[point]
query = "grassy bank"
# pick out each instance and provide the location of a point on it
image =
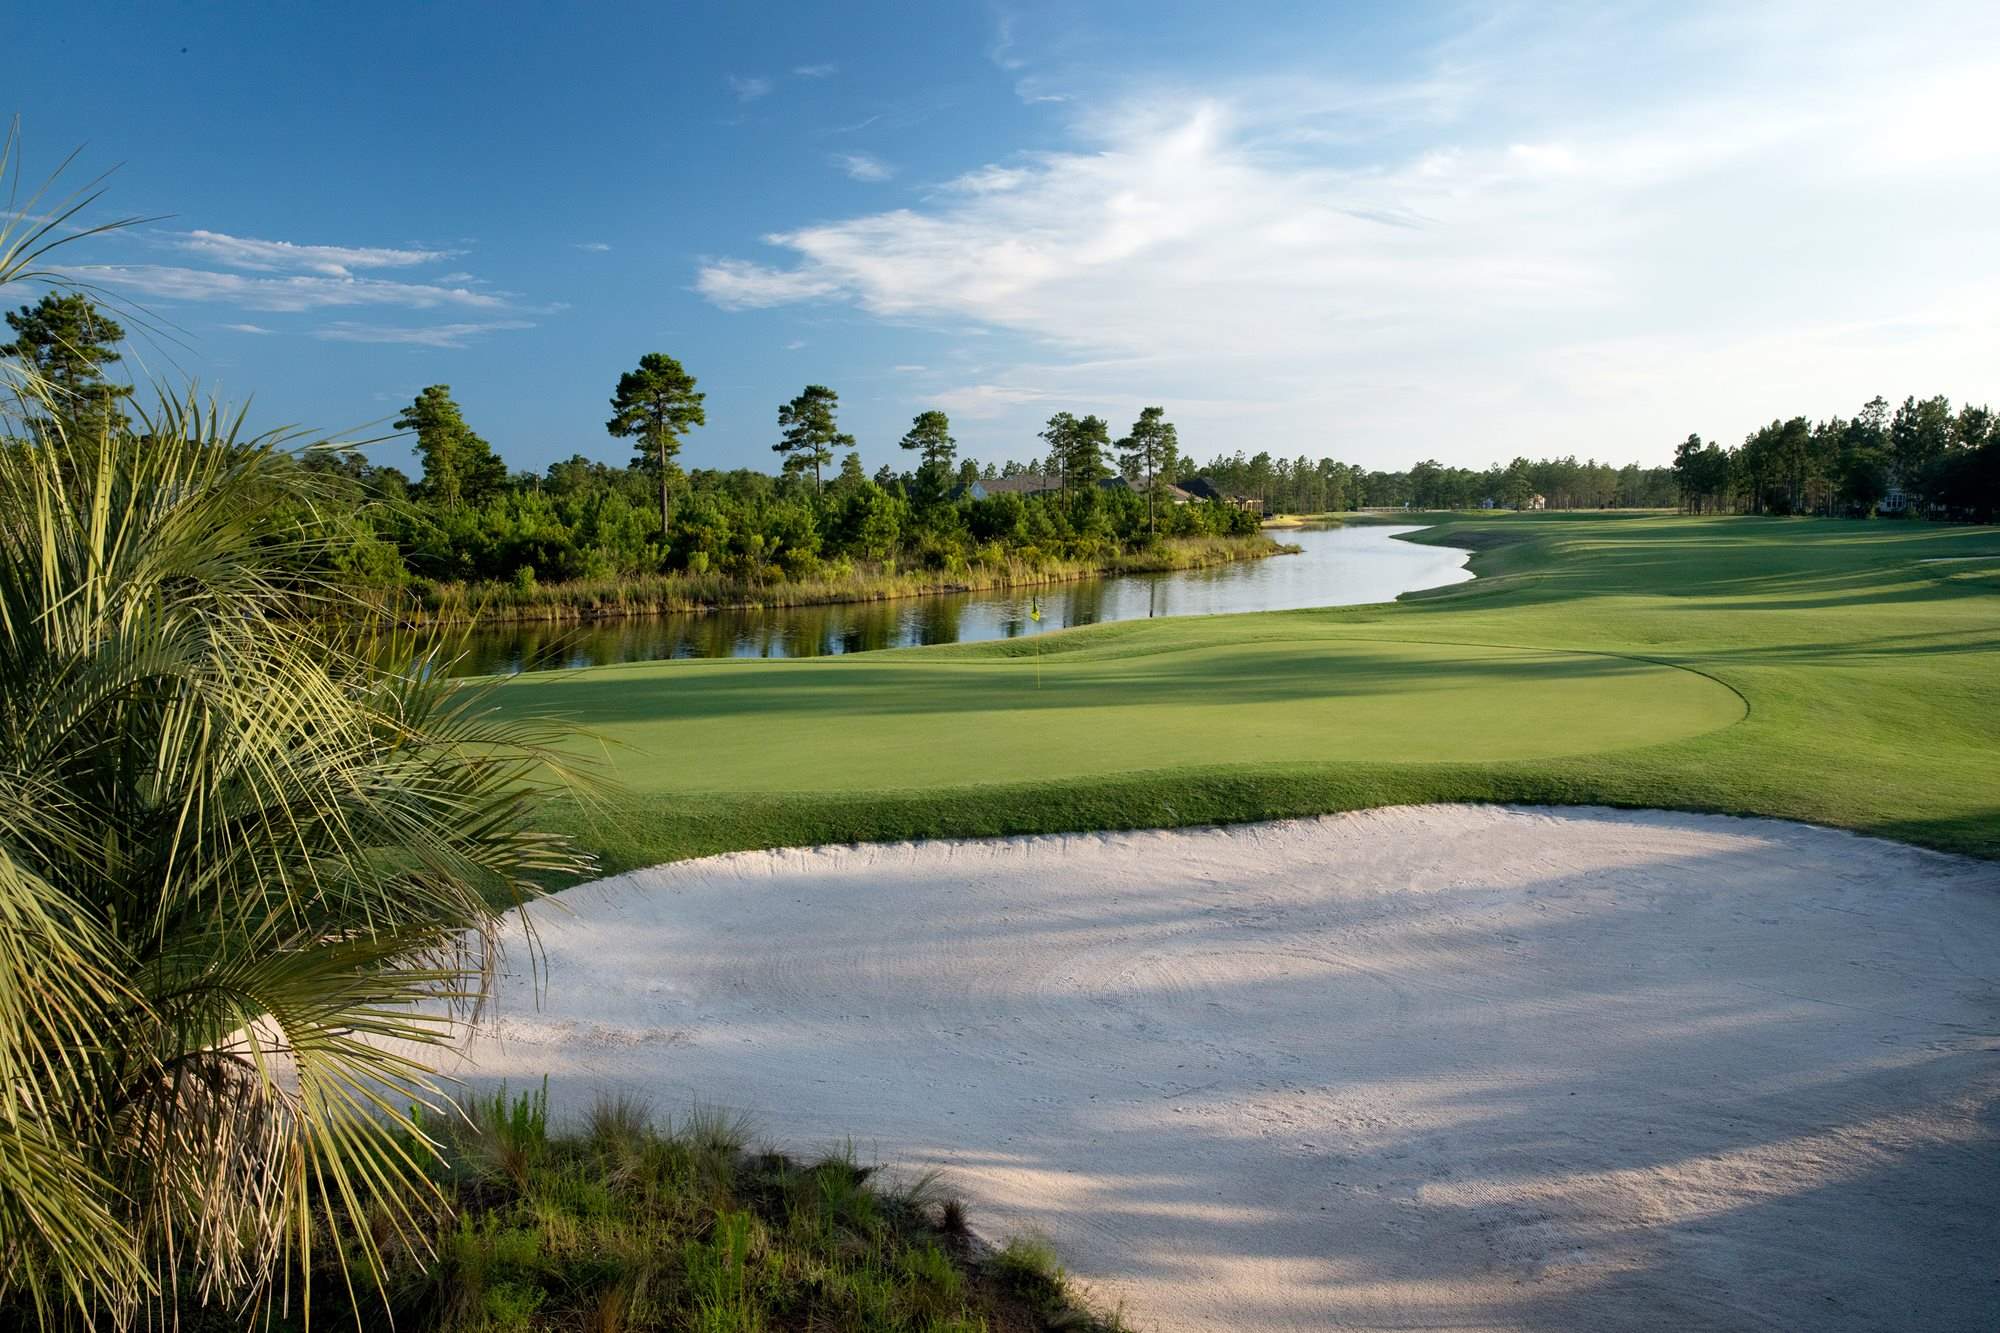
(1842, 673)
(624, 1223)
(454, 603)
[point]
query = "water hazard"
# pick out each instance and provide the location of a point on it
(1338, 566)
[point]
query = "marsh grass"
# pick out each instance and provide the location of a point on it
(626, 1221)
(659, 594)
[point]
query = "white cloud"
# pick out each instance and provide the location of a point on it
(863, 166)
(337, 261)
(909, 369)
(751, 88)
(1001, 49)
(255, 274)
(982, 402)
(825, 71)
(736, 285)
(287, 293)
(594, 247)
(434, 335)
(1455, 264)
(1034, 91)
(1547, 158)
(795, 344)
(991, 180)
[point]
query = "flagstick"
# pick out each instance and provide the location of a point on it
(1035, 614)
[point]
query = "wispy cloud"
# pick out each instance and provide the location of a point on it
(1402, 258)
(594, 247)
(825, 71)
(338, 261)
(749, 88)
(983, 402)
(286, 277)
(795, 344)
(1001, 49)
(735, 284)
(432, 335)
(1033, 91)
(285, 293)
(863, 166)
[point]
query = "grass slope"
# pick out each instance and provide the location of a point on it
(1837, 672)
(624, 1225)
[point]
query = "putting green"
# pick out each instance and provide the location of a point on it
(896, 721)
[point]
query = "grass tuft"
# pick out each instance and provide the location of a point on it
(632, 1223)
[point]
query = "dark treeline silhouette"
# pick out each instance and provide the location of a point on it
(1919, 460)
(1326, 485)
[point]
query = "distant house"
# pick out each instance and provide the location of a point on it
(1201, 488)
(1021, 483)
(1029, 483)
(1487, 503)
(1537, 502)
(1169, 492)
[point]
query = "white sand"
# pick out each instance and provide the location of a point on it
(1440, 1067)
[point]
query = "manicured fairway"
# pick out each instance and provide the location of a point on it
(1838, 672)
(885, 721)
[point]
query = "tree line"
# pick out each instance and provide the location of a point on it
(1920, 459)
(468, 517)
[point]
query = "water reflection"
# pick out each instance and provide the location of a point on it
(1337, 567)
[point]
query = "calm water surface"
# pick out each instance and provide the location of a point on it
(1339, 566)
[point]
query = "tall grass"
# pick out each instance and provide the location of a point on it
(593, 599)
(630, 1222)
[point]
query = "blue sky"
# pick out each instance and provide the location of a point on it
(1381, 232)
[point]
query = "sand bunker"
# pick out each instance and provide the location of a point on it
(1433, 1067)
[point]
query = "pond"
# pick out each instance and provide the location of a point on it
(1338, 566)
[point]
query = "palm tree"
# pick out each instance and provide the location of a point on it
(248, 876)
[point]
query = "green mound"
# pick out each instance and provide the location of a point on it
(1859, 664)
(884, 721)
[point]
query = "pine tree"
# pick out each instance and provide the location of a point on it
(459, 467)
(656, 405)
(810, 434)
(65, 341)
(1145, 452)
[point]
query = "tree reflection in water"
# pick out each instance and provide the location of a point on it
(1338, 566)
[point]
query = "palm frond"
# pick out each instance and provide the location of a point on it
(248, 876)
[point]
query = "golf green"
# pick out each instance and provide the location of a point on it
(887, 721)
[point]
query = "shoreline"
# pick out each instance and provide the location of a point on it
(698, 594)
